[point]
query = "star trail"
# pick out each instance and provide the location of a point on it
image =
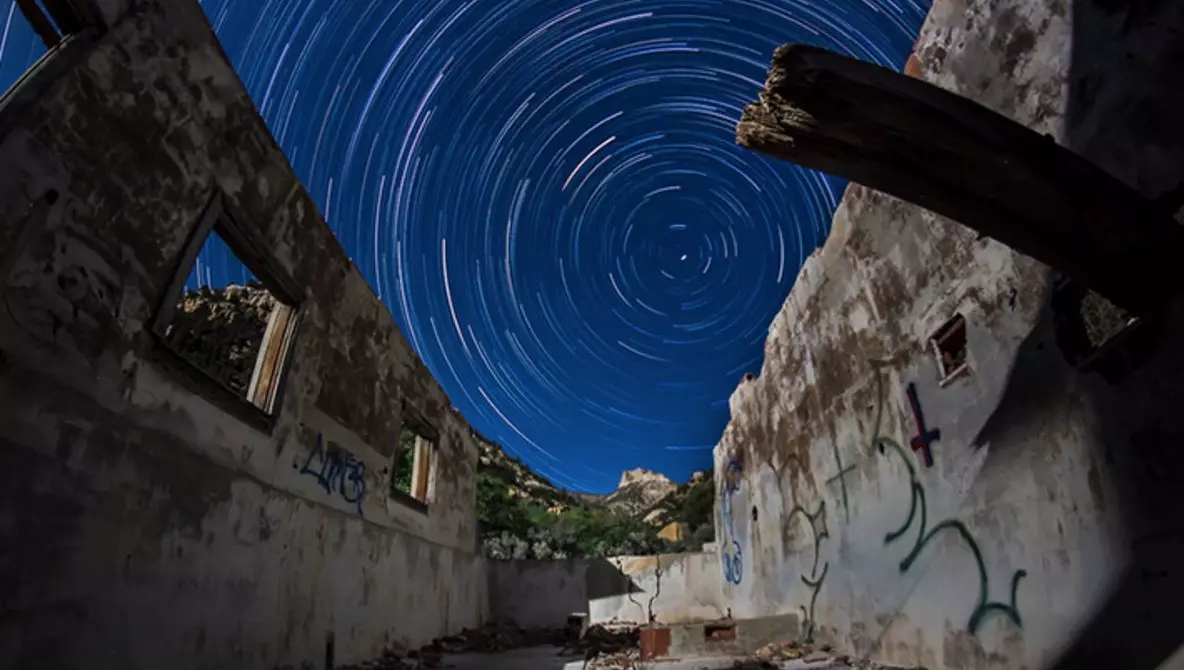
(547, 195)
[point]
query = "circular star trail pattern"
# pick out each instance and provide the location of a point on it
(548, 196)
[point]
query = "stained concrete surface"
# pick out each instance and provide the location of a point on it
(1049, 502)
(673, 588)
(165, 521)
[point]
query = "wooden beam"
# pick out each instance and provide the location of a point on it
(946, 153)
(39, 22)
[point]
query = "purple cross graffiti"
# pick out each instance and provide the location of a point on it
(924, 437)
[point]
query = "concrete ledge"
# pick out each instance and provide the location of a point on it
(706, 639)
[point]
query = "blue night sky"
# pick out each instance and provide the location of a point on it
(548, 196)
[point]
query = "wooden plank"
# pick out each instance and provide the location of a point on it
(946, 153)
(421, 468)
(39, 22)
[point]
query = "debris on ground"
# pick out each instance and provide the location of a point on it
(782, 651)
(599, 641)
(489, 638)
(603, 646)
(498, 637)
(778, 655)
(607, 647)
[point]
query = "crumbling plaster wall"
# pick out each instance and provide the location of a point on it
(674, 588)
(1003, 551)
(152, 528)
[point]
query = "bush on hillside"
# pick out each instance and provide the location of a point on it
(521, 528)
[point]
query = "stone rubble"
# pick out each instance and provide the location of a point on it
(774, 656)
(604, 647)
(600, 641)
(597, 641)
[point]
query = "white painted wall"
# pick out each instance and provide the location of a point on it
(1041, 475)
(675, 588)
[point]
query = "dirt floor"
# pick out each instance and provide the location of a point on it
(609, 647)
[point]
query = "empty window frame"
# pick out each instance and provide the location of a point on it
(414, 460)
(949, 349)
(237, 336)
(1095, 335)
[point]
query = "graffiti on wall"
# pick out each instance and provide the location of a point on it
(918, 512)
(733, 556)
(817, 524)
(337, 471)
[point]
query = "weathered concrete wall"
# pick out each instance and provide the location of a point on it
(538, 594)
(157, 529)
(1039, 514)
(675, 588)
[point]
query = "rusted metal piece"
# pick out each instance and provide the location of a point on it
(920, 143)
(655, 642)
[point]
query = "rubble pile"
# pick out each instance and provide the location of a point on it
(603, 647)
(498, 637)
(494, 637)
(626, 659)
(792, 651)
(396, 658)
(779, 654)
(606, 646)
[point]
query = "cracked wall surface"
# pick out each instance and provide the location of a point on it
(670, 588)
(155, 528)
(1046, 510)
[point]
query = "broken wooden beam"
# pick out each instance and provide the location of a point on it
(39, 22)
(948, 154)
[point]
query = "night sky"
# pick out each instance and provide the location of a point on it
(548, 196)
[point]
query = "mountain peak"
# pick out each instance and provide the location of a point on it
(642, 476)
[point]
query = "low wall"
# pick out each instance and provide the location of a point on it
(675, 588)
(538, 594)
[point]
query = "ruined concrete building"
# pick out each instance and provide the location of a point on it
(931, 467)
(155, 514)
(939, 464)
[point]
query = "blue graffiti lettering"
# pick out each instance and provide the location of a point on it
(733, 556)
(337, 470)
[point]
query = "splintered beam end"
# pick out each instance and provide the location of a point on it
(916, 141)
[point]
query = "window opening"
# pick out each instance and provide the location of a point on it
(1095, 335)
(238, 333)
(411, 474)
(949, 348)
(719, 631)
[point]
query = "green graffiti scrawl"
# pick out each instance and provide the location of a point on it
(817, 522)
(918, 507)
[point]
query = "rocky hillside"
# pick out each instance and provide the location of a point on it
(220, 331)
(522, 515)
(522, 483)
(691, 505)
(638, 491)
